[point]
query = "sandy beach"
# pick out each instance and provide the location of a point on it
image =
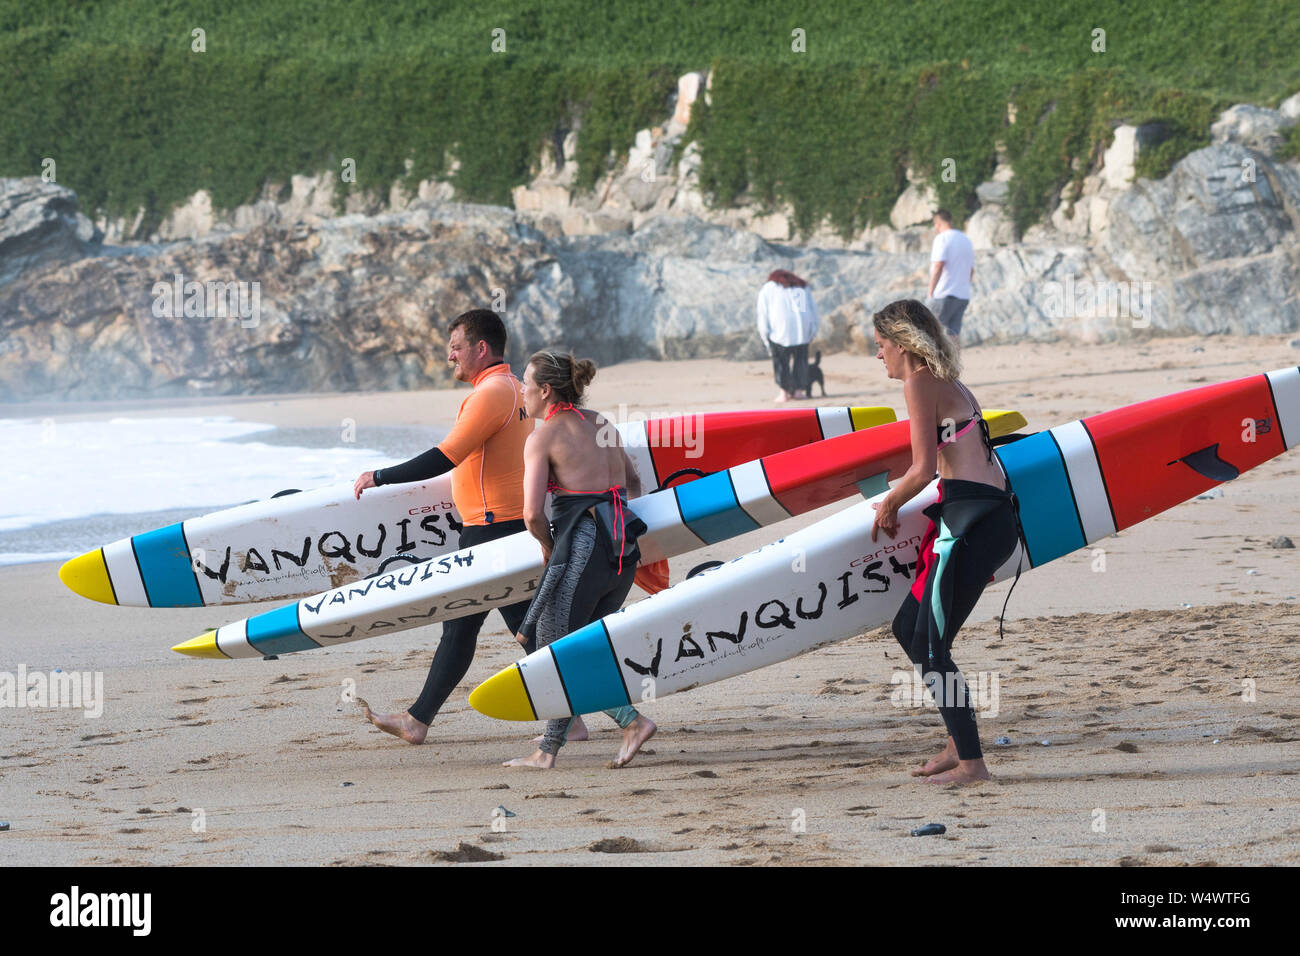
(1152, 708)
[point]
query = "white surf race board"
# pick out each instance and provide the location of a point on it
(680, 519)
(819, 585)
(303, 543)
(1077, 483)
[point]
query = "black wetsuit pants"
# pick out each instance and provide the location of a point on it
(460, 636)
(977, 532)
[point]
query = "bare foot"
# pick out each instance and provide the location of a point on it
(635, 735)
(539, 759)
(399, 725)
(782, 396)
(945, 761)
(966, 771)
(577, 731)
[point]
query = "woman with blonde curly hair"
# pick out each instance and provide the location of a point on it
(973, 528)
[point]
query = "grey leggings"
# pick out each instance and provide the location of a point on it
(583, 590)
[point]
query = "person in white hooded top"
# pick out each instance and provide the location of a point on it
(787, 322)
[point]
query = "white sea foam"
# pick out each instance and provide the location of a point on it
(58, 471)
(26, 557)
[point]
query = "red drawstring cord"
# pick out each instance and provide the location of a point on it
(620, 514)
(620, 522)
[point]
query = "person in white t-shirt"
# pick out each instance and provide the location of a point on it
(787, 322)
(952, 266)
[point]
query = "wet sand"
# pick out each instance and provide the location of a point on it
(1152, 708)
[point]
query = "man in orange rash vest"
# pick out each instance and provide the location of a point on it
(485, 454)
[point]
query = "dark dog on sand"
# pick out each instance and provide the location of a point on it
(815, 375)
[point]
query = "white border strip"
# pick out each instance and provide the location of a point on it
(834, 422)
(1286, 396)
(753, 494)
(1085, 479)
(637, 446)
(233, 640)
(542, 677)
(119, 558)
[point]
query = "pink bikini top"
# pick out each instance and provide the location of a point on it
(976, 420)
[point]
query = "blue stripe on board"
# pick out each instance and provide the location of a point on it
(710, 509)
(165, 568)
(1047, 509)
(277, 632)
(590, 673)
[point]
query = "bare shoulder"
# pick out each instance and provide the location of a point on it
(922, 386)
(539, 439)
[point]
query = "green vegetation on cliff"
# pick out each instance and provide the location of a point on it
(115, 94)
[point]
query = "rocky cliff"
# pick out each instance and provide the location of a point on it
(287, 298)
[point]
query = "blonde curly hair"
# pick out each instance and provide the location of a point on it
(914, 329)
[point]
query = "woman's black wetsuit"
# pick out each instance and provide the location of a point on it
(588, 576)
(973, 530)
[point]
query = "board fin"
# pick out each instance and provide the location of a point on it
(875, 485)
(1208, 464)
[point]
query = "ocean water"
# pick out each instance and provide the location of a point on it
(73, 486)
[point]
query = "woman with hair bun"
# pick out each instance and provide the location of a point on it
(974, 526)
(590, 543)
